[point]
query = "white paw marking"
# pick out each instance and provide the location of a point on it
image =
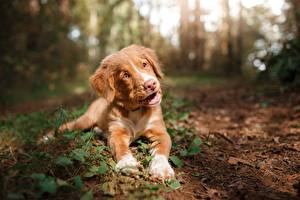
(98, 130)
(127, 164)
(160, 168)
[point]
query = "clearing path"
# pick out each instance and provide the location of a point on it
(253, 144)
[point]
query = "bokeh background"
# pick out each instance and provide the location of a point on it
(50, 47)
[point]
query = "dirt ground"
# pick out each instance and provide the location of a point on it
(251, 144)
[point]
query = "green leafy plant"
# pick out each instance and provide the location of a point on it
(284, 66)
(75, 157)
(45, 184)
(193, 149)
(87, 196)
(103, 168)
(63, 161)
(174, 184)
(78, 183)
(78, 154)
(176, 161)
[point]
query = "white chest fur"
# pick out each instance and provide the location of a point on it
(139, 121)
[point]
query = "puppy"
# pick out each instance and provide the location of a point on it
(128, 82)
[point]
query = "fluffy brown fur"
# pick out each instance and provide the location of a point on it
(128, 82)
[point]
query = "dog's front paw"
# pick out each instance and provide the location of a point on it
(128, 164)
(160, 168)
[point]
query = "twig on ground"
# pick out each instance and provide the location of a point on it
(223, 136)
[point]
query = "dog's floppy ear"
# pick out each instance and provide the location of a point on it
(153, 60)
(102, 81)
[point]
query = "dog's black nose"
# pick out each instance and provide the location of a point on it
(150, 84)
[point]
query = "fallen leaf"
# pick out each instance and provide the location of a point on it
(296, 146)
(236, 161)
(276, 139)
(293, 177)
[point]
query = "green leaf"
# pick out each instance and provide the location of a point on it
(149, 158)
(182, 131)
(142, 144)
(88, 196)
(61, 118)
(183, 116)
(183, 152)
(264, 104)
(193, 150)
(38, 176)
(42, 155)
(177, 161)
(87, 136)
(99, 149)
(78, 154)
(15, 196)
(171, 132)
(93, 170)
(153, 187)
(70, 135)
(174, 184)
(160, 198)
(103, 168)
(174, 145)
(197, 141)
(78, 183)
(63, 161)
(45, 183)
(48, 185)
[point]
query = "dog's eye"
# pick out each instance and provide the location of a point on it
(126, 75)
(144, 64)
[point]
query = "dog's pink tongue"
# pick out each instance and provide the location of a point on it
(155, 99)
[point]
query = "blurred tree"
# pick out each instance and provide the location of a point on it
(283, 64)
(105, 23)
(198, 37)
(46, 43)
(296, 10)
(239, 40)
(228, 39)
(184, 37)
(36, 50)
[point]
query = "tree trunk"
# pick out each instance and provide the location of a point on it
(198, 38)
(148, 26)
(129, 21)
(183, 34)
(296, 10)
(228, 39)
(239, 41)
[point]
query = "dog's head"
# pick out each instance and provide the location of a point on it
(129, 77)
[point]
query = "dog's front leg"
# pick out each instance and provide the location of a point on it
(119, 141)
(160, 150)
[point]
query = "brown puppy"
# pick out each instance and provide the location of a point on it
(129, 107)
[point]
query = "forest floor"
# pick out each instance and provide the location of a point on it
(230, 141)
